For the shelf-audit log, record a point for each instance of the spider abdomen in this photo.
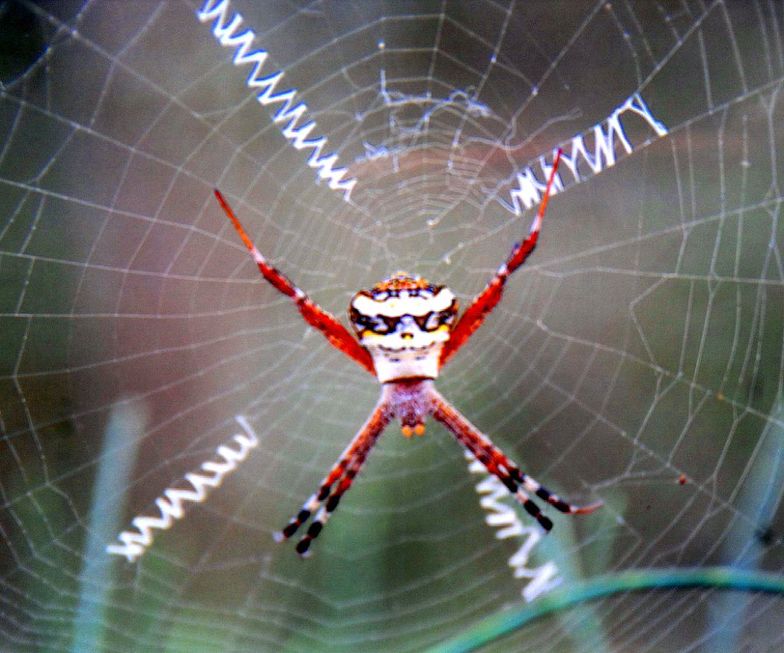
(404, 322)
(411, 402)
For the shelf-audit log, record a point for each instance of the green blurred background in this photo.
(636, 360)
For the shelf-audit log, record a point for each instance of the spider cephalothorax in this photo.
(404, 322)
(406, 331)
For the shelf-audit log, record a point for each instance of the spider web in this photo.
(636, 359)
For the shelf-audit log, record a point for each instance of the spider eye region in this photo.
(404, 322)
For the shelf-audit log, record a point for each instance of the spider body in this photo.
(406, 330)
(410, 401)
(404, 322)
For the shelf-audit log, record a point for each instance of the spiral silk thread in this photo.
(170, 504)
(226, 29)
(502, 515)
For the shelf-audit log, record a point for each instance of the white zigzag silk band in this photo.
(170, 504)
(500, 514)
(577, 159)
(226, 29)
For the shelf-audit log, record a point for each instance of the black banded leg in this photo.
(503, 473)
(511, 483)
(316, 501)
(532, 509)
(332, 501)
(532, 485)
(308, 508)
(347, 466)
(497, 463)
(485, 453)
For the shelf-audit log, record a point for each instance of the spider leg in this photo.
(326, 510)
(534, 486)
(498, 464)
(325, 500)
(486, 301)
(337, 335)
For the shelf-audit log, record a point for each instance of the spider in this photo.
(406, 330)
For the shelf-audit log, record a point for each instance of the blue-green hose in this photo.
(507, 622)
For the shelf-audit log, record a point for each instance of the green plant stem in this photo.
(503, 624)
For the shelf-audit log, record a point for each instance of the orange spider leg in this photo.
(498, 464)
(487, 300)
(326, 499)
(337, 335)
